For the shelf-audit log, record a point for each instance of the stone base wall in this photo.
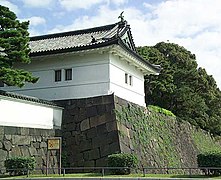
(92, 129)
(159, 140)
(89, 131)
(26, 142)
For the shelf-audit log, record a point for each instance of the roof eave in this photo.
(155, 68)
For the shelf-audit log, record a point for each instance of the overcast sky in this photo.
(194, 24)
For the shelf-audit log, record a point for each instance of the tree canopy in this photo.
(188, 91)
(14, 38)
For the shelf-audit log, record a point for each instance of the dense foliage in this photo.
(210, 159)
(122, 160)
(189, 92)
(19, 165)
(13, 49)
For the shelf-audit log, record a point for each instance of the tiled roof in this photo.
(86, 39)
(27, 98)
(75, 39)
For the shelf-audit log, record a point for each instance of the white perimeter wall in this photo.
(32, 115)
(134, 92)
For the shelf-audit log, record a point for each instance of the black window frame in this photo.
(126, 78)
(131, 80)
(68, 74)
(57, 75)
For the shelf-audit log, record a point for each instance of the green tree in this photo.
(187, 91)
(14, 38)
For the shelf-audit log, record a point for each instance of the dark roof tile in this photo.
(72, 39)
(27, 98)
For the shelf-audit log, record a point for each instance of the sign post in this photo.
(54, 144)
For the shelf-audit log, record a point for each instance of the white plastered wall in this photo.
(21, 113)
(89, 78)
(134, 92)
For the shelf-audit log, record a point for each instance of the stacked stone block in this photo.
(89, 131)
(26, 142)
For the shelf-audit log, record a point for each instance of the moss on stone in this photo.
(160, 139)
(204, 142)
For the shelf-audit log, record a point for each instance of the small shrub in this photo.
(210, 159)
(122, 160)
(161, 110)
(19, 165)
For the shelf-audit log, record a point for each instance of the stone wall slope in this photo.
(158, 138)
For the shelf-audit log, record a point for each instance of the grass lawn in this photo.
(113, 176)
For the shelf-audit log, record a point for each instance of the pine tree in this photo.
(14, 38)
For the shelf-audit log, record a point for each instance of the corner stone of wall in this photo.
(126, 145)
(26, 142)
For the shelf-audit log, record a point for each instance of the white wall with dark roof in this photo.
(24, 113)
(95, 73)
